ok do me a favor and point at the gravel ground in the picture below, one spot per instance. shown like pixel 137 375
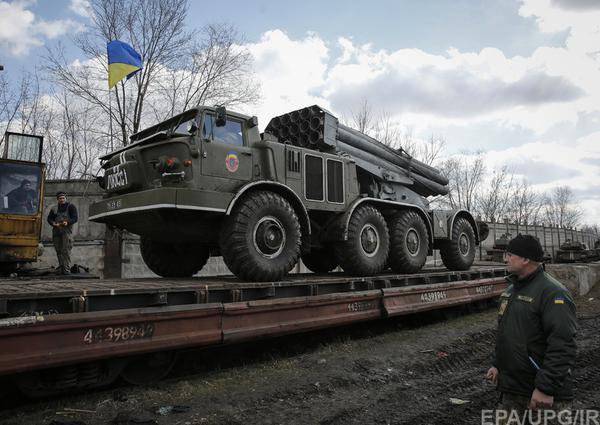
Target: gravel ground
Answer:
pixel 403 371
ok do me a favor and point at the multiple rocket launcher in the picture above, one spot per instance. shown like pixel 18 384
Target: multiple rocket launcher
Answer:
pixel 316 128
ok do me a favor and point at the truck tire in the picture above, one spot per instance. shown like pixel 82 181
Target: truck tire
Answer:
pixel 366 250
pixel 173 260
pixel 459 252
pixel 320 260
pixel 409 242
pixel 260 240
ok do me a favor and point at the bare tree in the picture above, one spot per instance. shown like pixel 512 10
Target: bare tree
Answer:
pixel 494 199
pixel 559 209
pixel 465 174
pixel 386 131
pixel 23 108
pixel 215 70
pixel 157 30
pixel 525 204
pixel 431 149
pixel 591 228
pixel 20 107
pixel 383 128
pixel 363 118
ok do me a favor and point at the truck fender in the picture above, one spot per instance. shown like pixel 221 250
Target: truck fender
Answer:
pixel 455 214
pixel 344 221
pixel 284 191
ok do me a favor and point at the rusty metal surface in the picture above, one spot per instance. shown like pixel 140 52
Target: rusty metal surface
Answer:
pixel 16 288
pixel 255 319
pixel 31 343
pixel 42 297
pixel 398 301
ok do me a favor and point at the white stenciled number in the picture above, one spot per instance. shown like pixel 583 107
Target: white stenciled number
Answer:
pixel 117 179
pixel 484 289
pixel 87 338
pixel 430 297
pixel 359 306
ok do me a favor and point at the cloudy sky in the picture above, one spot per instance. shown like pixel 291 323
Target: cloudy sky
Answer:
pixel 518 79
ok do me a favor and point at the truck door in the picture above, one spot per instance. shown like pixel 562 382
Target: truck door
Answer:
pixel 224 149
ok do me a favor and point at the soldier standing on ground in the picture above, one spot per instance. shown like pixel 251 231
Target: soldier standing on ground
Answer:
pixel 535 345
pixel 61 218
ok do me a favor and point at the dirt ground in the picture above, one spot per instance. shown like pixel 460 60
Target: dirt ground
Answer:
pixel 403 371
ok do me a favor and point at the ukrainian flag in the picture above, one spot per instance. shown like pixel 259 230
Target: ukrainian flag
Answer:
pixel 123 62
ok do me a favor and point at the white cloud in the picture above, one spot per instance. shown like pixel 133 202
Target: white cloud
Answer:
pixel 20 30
pixel 551 97
pixel 81 7
pixel 290 71
pixel 581 17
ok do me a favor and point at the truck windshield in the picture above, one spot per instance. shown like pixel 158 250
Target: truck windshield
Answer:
pixel 19 189
pixel 230 133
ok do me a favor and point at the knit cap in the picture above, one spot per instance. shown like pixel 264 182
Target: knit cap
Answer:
pixel 526 246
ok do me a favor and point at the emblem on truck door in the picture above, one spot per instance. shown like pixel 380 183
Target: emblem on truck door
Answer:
pixel 231 161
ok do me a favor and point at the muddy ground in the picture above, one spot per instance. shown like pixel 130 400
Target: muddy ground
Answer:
pixel 402 371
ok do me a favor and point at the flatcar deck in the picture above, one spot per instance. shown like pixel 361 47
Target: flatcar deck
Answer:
pixel 42 297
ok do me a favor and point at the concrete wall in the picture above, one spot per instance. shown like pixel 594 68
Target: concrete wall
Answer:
pixel 579 278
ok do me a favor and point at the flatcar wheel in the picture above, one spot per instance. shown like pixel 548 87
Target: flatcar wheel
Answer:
pixel 65 379
pixel 149 368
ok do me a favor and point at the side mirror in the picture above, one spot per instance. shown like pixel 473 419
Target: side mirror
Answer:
pixel 100 181
pixel 252 122
pixel 221 116
pixel 193 127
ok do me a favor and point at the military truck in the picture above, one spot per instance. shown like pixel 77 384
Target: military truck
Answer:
pixel 208 183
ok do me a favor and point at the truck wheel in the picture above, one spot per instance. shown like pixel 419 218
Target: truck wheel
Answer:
pixel 459 252
pixel 410 242
pixel 366 250
pixel 260 240
pixel 320 260
pixel 173 260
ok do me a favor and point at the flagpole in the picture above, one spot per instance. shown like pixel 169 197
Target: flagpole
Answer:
pixel 110 117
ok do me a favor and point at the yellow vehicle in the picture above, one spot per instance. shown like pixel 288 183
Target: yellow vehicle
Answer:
pixel 21 198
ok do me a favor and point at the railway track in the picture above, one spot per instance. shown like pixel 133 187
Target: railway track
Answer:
pixel 66 335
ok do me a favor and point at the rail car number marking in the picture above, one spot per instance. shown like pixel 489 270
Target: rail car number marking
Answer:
pixel 119 333
pixel 116 180
pixel 486 289
pixel 431 297
pixel 360 306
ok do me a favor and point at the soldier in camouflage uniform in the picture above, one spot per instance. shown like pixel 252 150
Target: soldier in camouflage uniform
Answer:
pixel 61 218
pixel 535 345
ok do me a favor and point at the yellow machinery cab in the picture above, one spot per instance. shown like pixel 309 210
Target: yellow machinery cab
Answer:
pixel 21 199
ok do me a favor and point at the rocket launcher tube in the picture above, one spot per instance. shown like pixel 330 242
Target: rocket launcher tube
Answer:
pixel 361 141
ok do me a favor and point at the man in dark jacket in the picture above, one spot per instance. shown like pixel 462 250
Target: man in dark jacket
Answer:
pixel 23 199
pixel 61 218
pixel 535 344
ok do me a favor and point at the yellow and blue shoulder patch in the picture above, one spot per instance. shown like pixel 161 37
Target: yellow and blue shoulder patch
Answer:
pixel 559 300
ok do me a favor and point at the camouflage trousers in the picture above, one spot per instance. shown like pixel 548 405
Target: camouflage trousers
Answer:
pixel 63 243
pixel 512 410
